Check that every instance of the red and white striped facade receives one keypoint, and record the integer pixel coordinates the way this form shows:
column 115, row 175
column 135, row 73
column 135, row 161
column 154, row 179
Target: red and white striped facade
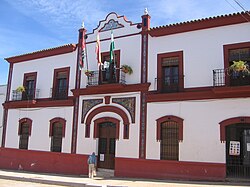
column 139, row 106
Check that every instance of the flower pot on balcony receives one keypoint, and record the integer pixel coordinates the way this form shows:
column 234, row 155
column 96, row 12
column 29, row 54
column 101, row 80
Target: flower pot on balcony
column 239, row 66
column 127, row 69
column 89, row 73
column 20, row 89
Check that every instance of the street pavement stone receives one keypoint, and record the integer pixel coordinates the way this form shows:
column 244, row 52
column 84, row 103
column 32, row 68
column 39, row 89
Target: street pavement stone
column 84, row 181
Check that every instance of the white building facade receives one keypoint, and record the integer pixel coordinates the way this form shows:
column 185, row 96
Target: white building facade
column 182, row 113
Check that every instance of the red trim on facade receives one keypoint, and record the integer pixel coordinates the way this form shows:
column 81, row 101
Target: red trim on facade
column 46, row 102
column 226, row 49
column 27, row 121
column 103, row 120
column 25, row 76
column 55, row 120
column 200, row 94
column 56, row 71
column 199, row 24
column 81, row 40
column 231, row 121
column 146, row 23
column 163, row 169
column 117, row 54
column 113, row 109
column 111, row 88
column 163, row 119
column 42, row 54
column 178, row 54
column 43, row 162
column 107, row 99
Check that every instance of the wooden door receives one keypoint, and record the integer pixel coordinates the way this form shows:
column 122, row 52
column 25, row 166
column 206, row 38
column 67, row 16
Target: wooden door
column 106, row 149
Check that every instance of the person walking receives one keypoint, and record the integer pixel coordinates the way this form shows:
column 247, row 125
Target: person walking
column 92, row 165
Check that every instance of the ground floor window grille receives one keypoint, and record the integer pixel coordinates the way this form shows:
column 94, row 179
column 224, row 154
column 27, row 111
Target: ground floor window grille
column 169, row 141
column 56, row 138
column 24, row 136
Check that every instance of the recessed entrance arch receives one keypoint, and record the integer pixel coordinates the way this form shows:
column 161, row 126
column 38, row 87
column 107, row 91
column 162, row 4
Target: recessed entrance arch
column 236, row 133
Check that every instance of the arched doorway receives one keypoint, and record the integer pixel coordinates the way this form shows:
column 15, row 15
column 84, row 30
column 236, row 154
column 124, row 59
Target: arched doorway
column 106, row 145
column 237, row 136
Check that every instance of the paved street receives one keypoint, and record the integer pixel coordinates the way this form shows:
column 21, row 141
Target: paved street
column 30, row 179
column 13, row 183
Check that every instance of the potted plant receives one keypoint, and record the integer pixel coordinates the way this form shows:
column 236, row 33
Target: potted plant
column 89, row 73
column 20, row 89
column 240, row 66
column 127, row 69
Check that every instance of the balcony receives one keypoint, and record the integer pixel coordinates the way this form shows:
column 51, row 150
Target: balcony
column 170, row 84
column 30, row 94
column 225, row 77
column 59, row 93
column 106, row 77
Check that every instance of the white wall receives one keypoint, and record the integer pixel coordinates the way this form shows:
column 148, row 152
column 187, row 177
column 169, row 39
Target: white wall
column 124, row 147
column 130, row 54
column 39, row 139
column 3, row 90
column 202, row 52
column 201, row 129
column 45, row 72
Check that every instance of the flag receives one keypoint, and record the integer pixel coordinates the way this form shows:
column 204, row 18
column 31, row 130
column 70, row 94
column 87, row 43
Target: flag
column 82, row 57
column 112, row 48
column 98, row 49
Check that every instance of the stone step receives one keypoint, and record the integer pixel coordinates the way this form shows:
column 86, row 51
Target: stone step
column 105, row 173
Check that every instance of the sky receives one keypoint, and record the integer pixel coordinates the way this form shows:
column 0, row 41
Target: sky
column 32, row 25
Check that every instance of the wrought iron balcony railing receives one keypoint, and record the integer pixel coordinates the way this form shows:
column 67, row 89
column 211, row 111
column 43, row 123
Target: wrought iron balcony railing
column 59, row 93
column 169, row 84
column 225, row 77
column 106, row 77
column 29, row 94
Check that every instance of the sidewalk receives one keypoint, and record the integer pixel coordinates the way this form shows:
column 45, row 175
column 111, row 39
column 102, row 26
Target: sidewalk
column 84, row 181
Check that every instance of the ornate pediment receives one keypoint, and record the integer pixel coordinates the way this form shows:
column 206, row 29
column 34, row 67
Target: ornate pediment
column 112, row 24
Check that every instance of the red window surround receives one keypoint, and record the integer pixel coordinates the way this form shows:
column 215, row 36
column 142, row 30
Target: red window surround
column 60, row 120
column 226, row 49
column 117, row 55
column 27, row 75
column 169, row 118
column 178, row 54
column 27, row 121
column 30, row 89
column 231, row 121
column 56, row 72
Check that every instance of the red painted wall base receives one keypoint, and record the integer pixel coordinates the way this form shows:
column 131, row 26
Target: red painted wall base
column 41, row 161
column 76, row 164
column 161, row 169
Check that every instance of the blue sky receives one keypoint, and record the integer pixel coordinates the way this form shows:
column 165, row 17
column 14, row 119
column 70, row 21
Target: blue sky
column 31, row 25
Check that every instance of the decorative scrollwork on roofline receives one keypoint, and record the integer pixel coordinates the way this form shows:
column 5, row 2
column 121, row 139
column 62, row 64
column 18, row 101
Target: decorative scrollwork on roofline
column 112, row 24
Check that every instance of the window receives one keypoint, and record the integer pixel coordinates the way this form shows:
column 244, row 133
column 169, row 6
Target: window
column 29, row 83
column 170, row 72
column 236, row 52
column 24, row 132
column 109, row 71
column 56, row 139
column 169, row 133
column 169, row 141
column 61, row 83
column 57, row 132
